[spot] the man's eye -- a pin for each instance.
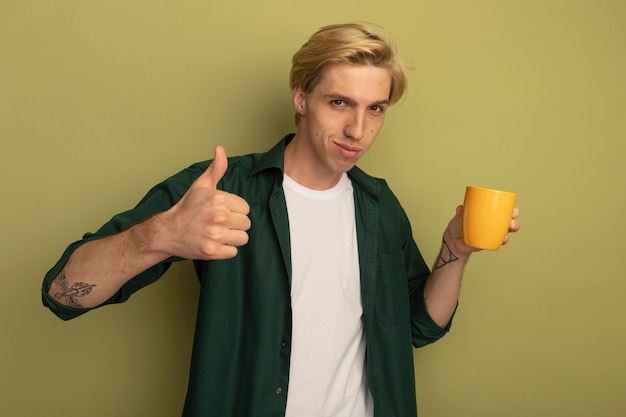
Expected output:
(338, 102)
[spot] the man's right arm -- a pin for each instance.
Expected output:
(206, 223)
(99, 268)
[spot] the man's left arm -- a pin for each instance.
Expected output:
(442, 289)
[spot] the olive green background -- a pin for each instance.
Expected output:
(100, 100)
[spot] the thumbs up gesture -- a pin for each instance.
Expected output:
(207, 223)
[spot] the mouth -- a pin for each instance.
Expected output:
(347, 151)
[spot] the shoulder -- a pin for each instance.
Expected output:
(237, 165)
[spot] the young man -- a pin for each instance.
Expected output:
(313, 291)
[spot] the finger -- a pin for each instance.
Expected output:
(236, 238)
(222, 252)
(215, 171)
(223, 243)
(237, 204)
(227, 237)
(515, 213)
(459, 210)
(240, 222)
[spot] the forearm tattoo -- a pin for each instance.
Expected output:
(445, 256)
(68, 294)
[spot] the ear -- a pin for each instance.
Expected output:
(299, 99)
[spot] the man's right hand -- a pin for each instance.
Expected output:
(206, 223)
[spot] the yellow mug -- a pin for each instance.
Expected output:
(487, 215)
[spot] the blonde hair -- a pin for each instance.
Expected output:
(350, 43)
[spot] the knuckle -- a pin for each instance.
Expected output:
(218, 199)
(210, 250)
(218, 217)
(214, 234)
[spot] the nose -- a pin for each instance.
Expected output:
(355, 125)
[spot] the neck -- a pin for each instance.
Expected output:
(302, 166)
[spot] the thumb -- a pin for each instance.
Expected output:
(216, 170)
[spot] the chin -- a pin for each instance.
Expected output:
(342, 168)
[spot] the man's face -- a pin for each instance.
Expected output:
(341, 116)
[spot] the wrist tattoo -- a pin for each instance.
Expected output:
(445, 256)
(69, 294)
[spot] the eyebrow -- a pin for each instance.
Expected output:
(338, 96)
